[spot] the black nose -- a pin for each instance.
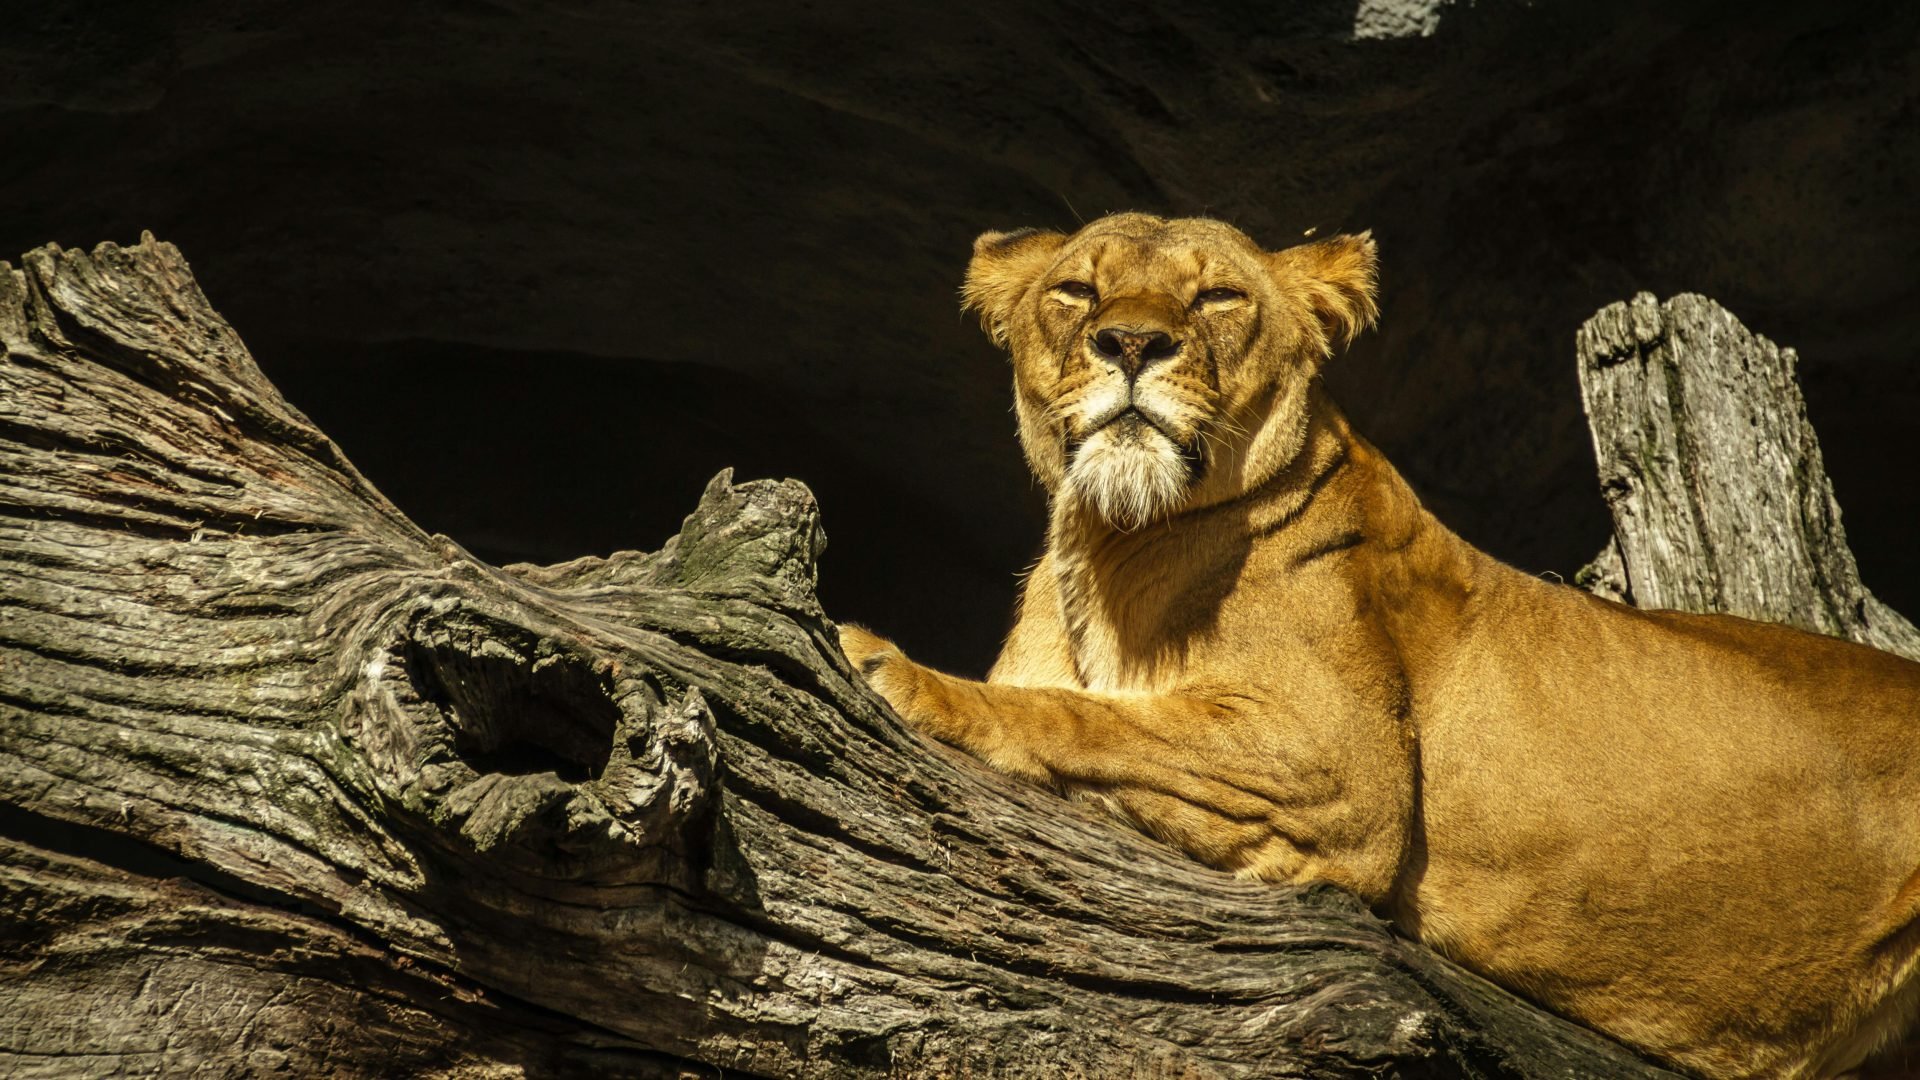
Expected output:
(1132, 350)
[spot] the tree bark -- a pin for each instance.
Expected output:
(288, 784)
(1720, 500)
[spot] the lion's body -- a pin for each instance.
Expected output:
(1698, 834)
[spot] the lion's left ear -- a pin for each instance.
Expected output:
(1004, 266)
(1338, 278)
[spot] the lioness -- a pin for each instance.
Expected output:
(1698, 834)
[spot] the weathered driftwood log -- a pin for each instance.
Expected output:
(288, 784)
(1720, 500)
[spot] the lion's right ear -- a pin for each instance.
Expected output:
(1004, 266)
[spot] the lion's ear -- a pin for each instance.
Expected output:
(1004, 265)
(1339, 279)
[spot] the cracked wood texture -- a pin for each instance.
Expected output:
(1713, 472)
(289, 785)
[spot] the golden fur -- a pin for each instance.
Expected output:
(1698, 834)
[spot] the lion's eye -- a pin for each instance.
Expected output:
(1079, 290)
(1218, 296)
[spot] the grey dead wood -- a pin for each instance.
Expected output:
(1713, 473)
(289, 785)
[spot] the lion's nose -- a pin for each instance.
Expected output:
(1131, 350)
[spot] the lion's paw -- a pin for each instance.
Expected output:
(866, 650)
(885, 668)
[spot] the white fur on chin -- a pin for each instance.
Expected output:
(1128, 477)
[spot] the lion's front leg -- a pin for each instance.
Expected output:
(1246, 787)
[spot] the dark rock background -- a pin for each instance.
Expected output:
(542, 268)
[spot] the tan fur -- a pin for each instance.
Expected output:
(1700, 835)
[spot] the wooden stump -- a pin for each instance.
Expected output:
(1720, 500)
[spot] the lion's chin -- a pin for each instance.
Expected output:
(1129, 474)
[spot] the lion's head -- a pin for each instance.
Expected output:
(1159, 364)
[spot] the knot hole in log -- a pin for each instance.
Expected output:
(523, 738)
(515, 705)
